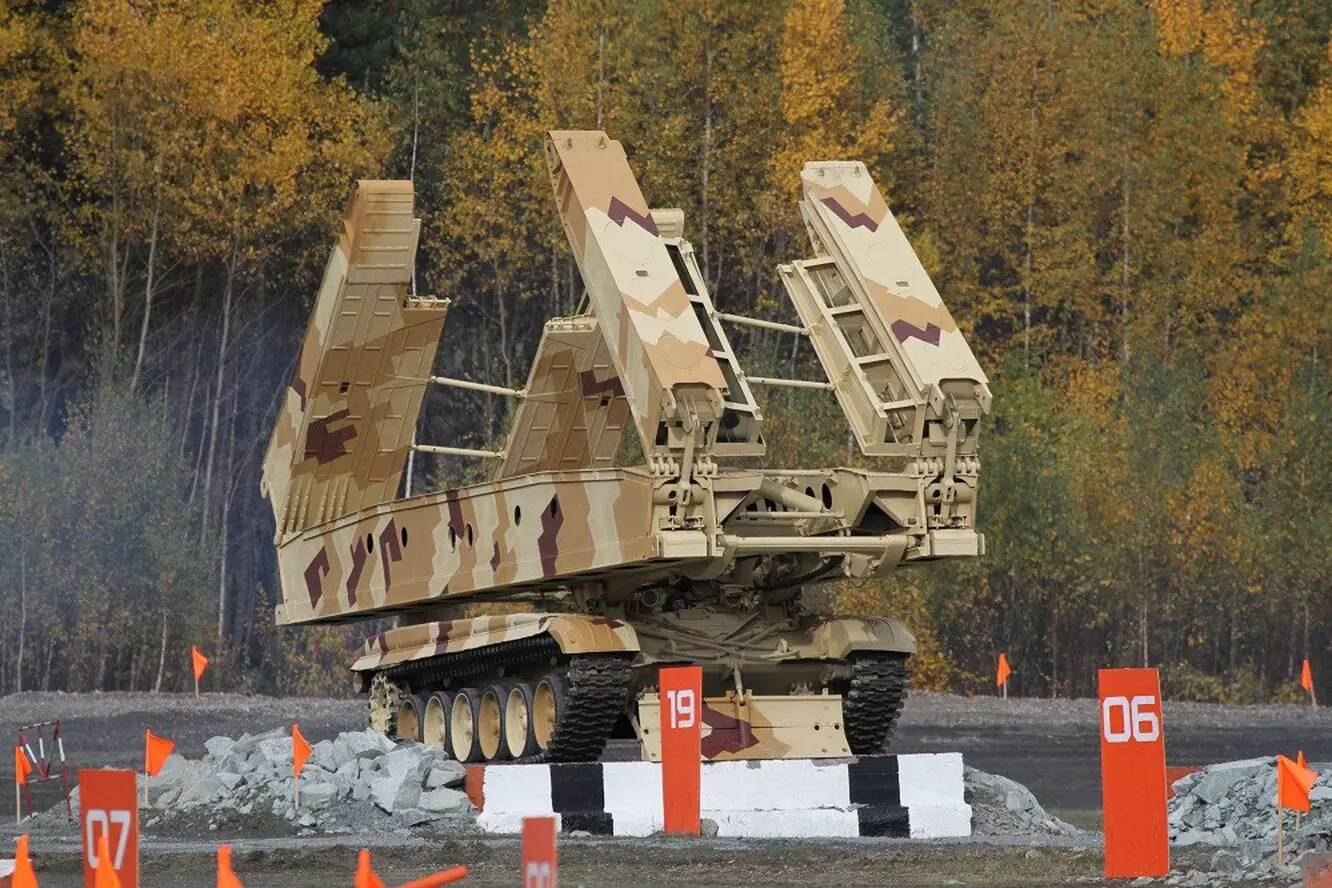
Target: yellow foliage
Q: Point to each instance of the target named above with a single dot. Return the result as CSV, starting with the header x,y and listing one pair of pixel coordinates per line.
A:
x,y
902,599
824,114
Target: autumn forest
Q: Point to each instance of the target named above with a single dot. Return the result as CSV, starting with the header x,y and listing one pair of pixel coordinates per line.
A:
x,y
1126,203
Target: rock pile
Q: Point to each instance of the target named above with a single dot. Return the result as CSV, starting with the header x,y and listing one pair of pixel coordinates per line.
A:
x,y
1003,807
1232,807
359,781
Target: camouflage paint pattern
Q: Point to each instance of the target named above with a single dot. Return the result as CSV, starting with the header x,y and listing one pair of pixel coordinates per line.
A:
x,y
574,633
756,727
528,532
852,221
659,350
574,411
347,416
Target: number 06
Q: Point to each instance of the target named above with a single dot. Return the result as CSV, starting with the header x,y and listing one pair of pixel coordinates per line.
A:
x,y
1139,723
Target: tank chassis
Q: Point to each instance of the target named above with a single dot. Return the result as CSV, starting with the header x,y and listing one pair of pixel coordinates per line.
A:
x,y
679,560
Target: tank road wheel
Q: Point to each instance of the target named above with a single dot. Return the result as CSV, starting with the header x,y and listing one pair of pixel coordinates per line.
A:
x,y
385,697
464,714
548,701
873,700
435,722
411,715
519,738
490,724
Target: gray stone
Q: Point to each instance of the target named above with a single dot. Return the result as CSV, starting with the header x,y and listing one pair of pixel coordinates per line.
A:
x,y
707,828
202,790
414,816
276,751
229,780
364,744
1216,783
580,834
1192,837
409,792
384,791
322,754
219,746
403,760
1226,862
446,773
318,796
444,801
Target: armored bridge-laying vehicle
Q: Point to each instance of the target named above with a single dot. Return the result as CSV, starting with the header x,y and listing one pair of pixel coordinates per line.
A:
x,y
695,556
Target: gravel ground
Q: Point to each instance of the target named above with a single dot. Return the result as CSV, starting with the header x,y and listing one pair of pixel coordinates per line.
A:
x,y
715,863
1051,746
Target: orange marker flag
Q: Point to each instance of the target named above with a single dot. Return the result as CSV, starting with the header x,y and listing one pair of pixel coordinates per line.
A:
x,y
300,751
21,771
1001,676
21,767
365,876
155,753
1293,785
1299,759
106,875
200,664
23,876
225,877
1306,676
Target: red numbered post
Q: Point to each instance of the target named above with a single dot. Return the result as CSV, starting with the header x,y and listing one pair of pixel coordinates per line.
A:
x,y
109,803
681,747
1133,782
539,862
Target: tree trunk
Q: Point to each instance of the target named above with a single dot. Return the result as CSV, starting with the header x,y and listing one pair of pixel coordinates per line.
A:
x,y
23,621
221,380
226,516
148,289
161,654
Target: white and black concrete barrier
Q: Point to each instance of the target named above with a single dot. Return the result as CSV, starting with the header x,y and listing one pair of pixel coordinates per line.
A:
x,y
901,796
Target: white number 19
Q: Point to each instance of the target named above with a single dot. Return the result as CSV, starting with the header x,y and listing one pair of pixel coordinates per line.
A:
x,y
682,708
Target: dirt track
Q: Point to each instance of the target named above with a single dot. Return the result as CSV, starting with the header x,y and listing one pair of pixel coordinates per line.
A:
x,y
613,863
1049,745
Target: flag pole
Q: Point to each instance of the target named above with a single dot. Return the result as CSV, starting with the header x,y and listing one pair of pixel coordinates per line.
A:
x,y
297,784
1005,689
1281,844
196,687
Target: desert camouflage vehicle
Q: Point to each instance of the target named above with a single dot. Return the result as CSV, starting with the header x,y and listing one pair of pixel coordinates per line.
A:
x,y
678,560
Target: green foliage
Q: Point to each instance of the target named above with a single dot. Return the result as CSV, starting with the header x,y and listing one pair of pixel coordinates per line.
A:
x,y
1127,205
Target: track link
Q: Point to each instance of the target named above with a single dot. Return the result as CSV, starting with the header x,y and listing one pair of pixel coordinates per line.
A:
x,y
598,690
874,700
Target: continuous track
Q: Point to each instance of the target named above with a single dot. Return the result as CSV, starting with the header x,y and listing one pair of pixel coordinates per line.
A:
x,y
873,700
597,692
